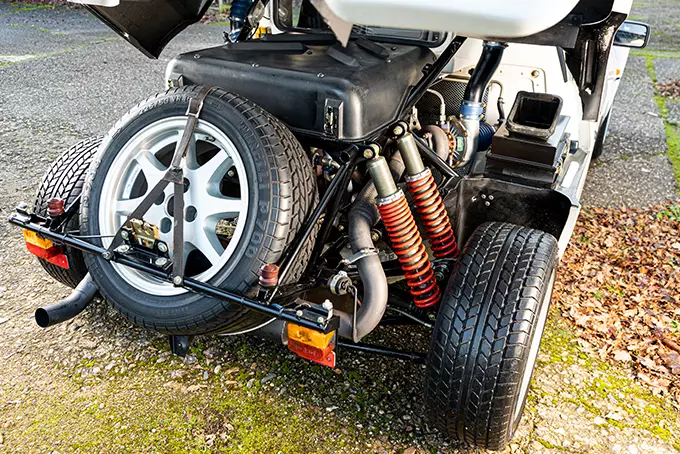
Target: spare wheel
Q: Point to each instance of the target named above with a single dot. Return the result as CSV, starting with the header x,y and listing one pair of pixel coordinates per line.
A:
x,y
248,188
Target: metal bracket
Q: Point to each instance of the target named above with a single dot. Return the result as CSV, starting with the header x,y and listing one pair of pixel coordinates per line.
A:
x,y
358,255
179,345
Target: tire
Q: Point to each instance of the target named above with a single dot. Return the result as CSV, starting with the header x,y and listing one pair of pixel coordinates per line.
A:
x,y
64,179
281,189
598,148
487,334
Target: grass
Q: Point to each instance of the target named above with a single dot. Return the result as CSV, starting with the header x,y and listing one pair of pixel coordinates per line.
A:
x,y
672,129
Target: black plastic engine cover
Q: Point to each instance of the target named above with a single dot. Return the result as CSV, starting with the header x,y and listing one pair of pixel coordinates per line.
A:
x,y
315,86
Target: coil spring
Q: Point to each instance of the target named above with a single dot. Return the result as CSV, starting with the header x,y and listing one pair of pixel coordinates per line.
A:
x,y
408,245
433,215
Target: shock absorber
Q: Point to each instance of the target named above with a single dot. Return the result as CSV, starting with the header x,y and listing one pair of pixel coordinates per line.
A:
x,y
426,198
237,17
404,236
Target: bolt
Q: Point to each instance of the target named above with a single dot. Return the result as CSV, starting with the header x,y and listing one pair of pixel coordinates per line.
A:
x,y
320,320
484,196
327,305
162,247
255,65
123,249
124,234
487,203
231,173
341,228
535,73
375,236
161,261
368,153
398,130
432,316
107,255
490,197
320,75
197,56
299,314
474,198
177,280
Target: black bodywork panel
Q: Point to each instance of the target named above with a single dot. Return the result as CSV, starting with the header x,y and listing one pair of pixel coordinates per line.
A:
x,y
149,25
317,87
479,200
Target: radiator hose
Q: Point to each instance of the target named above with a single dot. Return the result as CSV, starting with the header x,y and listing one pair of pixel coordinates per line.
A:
x,y
472,107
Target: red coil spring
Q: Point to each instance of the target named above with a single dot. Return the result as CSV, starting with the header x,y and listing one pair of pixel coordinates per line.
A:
x,y
433,215
408,245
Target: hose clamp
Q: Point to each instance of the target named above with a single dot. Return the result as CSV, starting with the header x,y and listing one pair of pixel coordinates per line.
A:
x,y
471,110
358,255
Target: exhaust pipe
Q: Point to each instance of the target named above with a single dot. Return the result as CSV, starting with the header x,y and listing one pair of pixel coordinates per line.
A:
x,y
69,307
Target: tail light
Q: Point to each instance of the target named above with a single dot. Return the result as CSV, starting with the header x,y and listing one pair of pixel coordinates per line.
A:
x,y
45,249
312,345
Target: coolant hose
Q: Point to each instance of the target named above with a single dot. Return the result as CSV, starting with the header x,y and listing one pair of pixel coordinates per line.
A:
x,y
472,108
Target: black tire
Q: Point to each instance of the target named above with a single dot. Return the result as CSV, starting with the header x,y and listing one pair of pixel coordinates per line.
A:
x,y
598,147
64,179
283,195
493,310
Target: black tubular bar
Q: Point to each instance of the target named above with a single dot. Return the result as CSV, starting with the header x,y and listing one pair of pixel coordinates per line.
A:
x,y
434,159
301,239
272,310
392,353
433,72
343,177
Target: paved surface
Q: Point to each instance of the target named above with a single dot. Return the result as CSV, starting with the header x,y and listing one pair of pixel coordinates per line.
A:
x,y
65,77
634,169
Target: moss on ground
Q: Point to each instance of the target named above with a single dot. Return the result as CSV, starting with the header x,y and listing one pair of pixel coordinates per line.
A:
x,y
608,385
672,128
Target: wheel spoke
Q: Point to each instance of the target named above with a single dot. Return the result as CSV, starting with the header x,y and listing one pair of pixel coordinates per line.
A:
x,y
213,171
205,241
151,167
217,208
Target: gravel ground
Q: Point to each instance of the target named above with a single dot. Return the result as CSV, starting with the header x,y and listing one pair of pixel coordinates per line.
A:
x,y
99,384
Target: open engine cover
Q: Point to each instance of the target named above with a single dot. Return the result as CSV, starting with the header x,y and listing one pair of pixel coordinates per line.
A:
x,y
314,85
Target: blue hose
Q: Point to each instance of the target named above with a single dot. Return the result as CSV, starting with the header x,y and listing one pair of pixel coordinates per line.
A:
x,y
486,132
237,17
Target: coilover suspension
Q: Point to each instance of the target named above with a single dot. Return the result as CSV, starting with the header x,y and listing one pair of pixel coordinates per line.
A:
x,y
404,236
426,198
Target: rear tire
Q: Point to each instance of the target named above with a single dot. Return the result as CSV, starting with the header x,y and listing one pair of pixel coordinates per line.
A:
x,y
64,179
277,192
488,332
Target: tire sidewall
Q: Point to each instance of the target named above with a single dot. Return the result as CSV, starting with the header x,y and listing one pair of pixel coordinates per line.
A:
x,y
241,269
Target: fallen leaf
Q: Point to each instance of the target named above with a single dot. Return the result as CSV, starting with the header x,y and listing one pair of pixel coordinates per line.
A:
x,y
622,355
